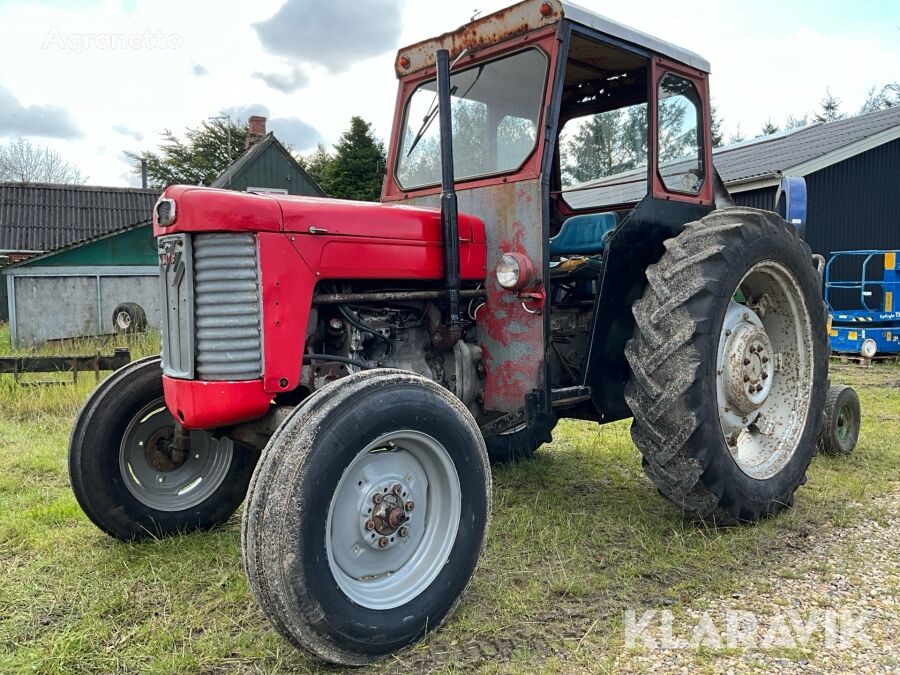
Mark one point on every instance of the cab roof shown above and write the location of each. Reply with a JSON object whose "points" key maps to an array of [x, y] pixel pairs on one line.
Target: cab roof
{"points": [[527, 16]]}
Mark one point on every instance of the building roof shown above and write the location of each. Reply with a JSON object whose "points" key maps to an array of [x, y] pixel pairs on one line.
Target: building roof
{"points": [[39, 217], [762, 162], [802, 151], [252, 154]]}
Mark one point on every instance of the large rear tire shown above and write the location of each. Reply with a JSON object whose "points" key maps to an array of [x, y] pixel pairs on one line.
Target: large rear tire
{"points": [[367, 515], [128, 477], [729, 366]]}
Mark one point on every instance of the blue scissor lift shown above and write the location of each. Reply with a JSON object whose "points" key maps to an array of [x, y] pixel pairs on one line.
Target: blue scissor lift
{"points": [[866, 331]]}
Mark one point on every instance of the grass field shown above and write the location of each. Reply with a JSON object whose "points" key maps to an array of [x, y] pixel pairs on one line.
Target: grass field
{"points": [[578, 535]]}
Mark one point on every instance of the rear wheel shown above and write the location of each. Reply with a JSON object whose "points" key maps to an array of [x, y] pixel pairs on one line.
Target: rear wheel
{"points": [[363, 530], [840, 421], [131, 475], [729, 366]]}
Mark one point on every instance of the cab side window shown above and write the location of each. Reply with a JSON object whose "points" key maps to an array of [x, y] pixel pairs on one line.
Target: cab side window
{"points": [[680, 135]]}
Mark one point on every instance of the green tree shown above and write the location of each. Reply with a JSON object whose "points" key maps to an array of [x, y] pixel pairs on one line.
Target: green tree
{"points": [[769, 128], [880, 99], [796, 122], [830, 109], [206, 151], [317, 163], [737, 136], [715, 126], [355, 171]]}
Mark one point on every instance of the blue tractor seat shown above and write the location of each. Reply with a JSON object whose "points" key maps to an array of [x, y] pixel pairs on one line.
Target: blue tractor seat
{"points": [[583, 235]]}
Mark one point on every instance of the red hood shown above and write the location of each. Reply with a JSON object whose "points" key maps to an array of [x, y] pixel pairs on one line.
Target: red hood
{"points": [[371, 219], [210, 209]]}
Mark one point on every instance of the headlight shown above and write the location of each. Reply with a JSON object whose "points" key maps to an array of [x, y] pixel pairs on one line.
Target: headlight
{"points": [[165, 211], [514, 271]]}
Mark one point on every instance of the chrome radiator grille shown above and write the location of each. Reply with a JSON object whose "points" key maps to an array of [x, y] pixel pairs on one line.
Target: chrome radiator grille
{"points": [[227, 327], [212, 322]]}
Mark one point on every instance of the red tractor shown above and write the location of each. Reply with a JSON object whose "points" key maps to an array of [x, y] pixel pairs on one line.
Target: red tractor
{"points": [[552, 241]]}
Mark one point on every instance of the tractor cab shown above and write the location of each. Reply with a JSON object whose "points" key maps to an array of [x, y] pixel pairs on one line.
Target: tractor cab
{"points": [[581, 143]]}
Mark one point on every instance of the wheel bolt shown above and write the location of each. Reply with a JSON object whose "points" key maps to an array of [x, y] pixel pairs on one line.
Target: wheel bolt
{"points": [[764, 375], [397, 489], [382, 542], [377, 498], [752, 349], [410, 505], [759, 387], [370, 524], [403, 532], [746, 362], [765, 359]]}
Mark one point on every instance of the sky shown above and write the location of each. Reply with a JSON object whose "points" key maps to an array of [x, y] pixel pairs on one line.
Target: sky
{"points": [[94, 79]]}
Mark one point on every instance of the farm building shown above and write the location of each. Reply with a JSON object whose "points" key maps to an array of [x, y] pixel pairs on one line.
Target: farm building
{"points": [[852, 171], [38, 218], [77, 289]]}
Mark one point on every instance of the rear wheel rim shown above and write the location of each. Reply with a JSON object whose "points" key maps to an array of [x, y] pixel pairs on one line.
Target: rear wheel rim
{"points": [[154, 477], [393, 519], [764, 370]]}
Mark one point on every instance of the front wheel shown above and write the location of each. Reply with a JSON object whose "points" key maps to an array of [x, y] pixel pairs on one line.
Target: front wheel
{"points": [[729, 366], [367, 515], [132, 477]]}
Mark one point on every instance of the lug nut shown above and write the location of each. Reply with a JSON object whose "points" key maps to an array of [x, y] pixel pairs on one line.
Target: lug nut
{"points": [[759, 387], [370, 524], [377, 498], [397, 489], [746, 378], [765, 359], [382, 542], [764, 375], [752, 349], [746, 362], [410, 505], [403, 532]]}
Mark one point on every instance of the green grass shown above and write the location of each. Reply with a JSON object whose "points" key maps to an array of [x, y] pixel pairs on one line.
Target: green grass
{"points": [[577, 536]]}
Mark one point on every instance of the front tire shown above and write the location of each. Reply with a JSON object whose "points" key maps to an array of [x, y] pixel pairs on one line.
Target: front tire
{"points": [[367, 516], [729, 366], [127, 477]]}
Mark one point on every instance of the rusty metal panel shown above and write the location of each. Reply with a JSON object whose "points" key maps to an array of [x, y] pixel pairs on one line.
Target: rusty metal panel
{"points": [[511, 333], [489, 30]]}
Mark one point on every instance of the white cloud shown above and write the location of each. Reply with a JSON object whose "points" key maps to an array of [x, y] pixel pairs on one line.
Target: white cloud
{"points": [[762, 64]]}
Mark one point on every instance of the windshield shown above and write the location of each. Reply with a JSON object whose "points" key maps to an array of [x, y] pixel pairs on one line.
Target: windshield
{"points": [[495, 108]]}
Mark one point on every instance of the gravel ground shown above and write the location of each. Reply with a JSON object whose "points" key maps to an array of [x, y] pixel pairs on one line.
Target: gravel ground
{"points": [[843, 585]]}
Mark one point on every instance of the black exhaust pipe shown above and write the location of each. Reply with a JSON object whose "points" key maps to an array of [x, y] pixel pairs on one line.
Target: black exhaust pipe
{"points": [[449, 210]]}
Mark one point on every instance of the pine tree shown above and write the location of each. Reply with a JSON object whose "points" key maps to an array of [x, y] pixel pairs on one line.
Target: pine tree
{"points": [[737, 136], [830, 108], [796, 122], [317, 163], [715, 126], [769, 128], [355, 171], [880, 99]]}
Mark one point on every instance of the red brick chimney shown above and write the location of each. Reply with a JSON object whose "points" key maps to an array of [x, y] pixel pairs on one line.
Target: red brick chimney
{"points": [[256, 130]]}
